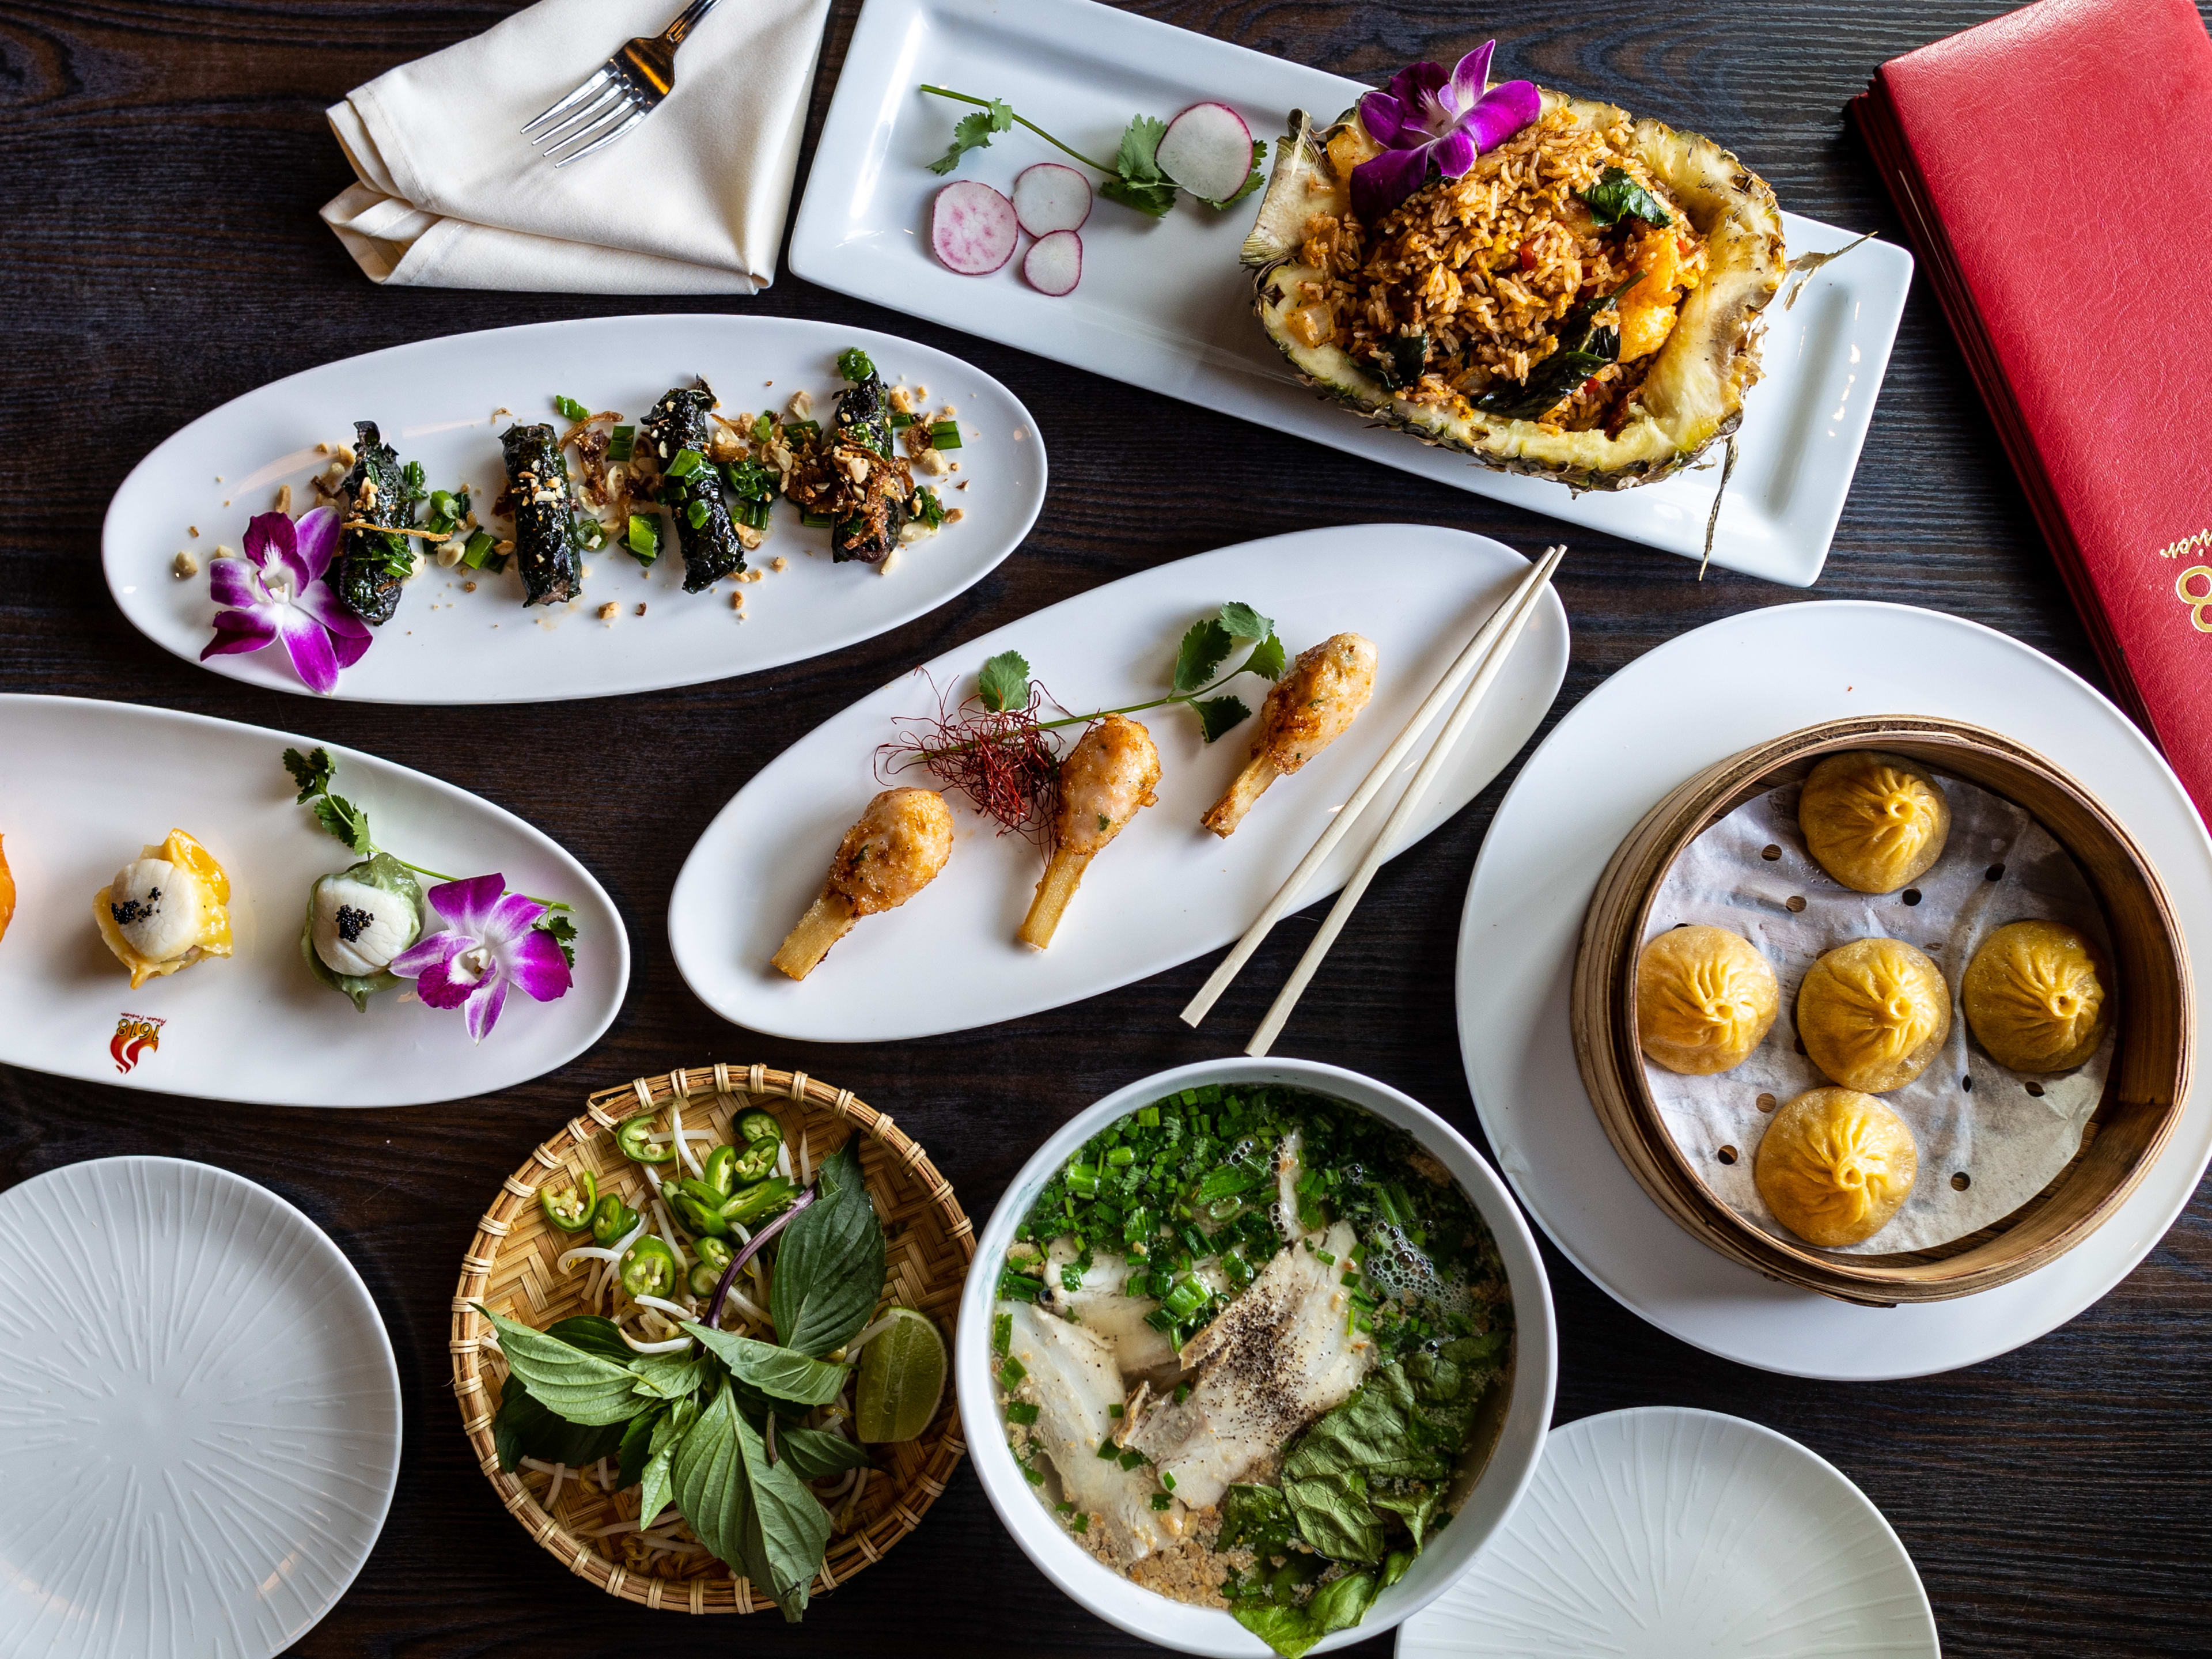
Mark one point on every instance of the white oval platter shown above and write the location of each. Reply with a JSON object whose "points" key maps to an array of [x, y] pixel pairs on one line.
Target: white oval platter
{"points": [[1667, 1533], [200, 1454], [444, 403], [83, 784], [1165, 891]]}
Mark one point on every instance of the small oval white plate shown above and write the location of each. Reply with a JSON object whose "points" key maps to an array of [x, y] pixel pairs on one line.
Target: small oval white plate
{"points": [[1166, 890], [1665, 1532], [199, 1447], [83, 784], [445, 402]]}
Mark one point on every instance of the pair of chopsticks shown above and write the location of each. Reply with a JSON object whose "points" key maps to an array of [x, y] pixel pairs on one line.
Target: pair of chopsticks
{"points": [[1483, 657]]}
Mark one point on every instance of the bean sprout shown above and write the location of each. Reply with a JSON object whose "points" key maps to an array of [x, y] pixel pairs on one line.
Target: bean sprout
{"points": [[636, 1347], [660, 1306], [783, 1160], [594, 1252], [668, 1237], [683, 1145], [868, 1335], [805, 1162]]}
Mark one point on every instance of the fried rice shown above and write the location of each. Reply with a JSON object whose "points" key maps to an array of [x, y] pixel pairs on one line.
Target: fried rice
{"points": [[1492, 267]]}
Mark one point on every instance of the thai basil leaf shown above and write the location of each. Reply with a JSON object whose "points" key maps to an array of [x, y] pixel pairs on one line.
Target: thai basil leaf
{"points": [[636, 1447], [785, 1529], [1268, 658], [706, 1478], [524, 1428], [1401, 359], [829, 1265], [668, 1375], [656, 1484], [1217, 715], [1585, 348], [1617, 196], [780, 1373], [581, 1387], [1005, 682], [816, 1453], [1204, 649], [593, 1334]]}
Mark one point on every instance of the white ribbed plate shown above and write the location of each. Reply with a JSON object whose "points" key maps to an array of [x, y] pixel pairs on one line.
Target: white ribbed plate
{"points": [[199, 1441], [1664, 1533]]}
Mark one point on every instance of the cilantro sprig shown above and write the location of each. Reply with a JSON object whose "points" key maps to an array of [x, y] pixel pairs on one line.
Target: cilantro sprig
{"points": [[1133, 178], [1207, 645]]}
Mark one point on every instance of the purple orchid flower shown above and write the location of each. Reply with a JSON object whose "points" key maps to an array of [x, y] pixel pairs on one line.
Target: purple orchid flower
{"points": [[1423, 117], [493, 941], [276, 591]]}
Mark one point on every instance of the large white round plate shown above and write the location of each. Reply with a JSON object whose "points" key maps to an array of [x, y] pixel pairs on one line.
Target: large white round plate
{"points": [[444, 403], [200, 1442], [1696, 700], [83, 784], [1166, 890], [1664, 1533]]}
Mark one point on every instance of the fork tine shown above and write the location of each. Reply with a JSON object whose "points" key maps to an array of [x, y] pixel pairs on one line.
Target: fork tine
{"points": [[636, 115], [612, 102], [591, 83]]}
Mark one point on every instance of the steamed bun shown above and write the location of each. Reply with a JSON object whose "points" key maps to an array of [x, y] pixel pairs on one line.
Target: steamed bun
{"points": [[2035, 997], [1872, 820], [1704, 999], [1873, 1013], [1835, 1165]]}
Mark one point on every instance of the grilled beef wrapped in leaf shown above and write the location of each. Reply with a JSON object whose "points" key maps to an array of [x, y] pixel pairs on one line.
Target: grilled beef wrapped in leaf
{"points": [[692, 489], [878, 486], [545, 544], [374, 563]]}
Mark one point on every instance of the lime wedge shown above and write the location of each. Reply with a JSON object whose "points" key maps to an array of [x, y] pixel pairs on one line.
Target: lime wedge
{"points": [[902, 1379]]}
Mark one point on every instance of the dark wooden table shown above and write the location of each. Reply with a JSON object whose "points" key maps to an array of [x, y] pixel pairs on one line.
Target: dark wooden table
{"points": [[160, 162]]}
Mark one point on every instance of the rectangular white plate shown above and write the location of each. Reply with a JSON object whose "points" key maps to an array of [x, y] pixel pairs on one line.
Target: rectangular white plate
{"points": [[1165, 304]]}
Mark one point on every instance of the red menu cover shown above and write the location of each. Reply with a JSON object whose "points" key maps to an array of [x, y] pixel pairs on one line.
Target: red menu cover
{"points": [[2054, 168]]}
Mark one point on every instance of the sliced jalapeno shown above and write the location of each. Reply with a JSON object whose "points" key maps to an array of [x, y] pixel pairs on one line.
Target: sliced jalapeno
{"points": [[700, 1220], [611, 1219], [755, 1162], [758, 1199], [649, 1267], [713, 1253], [704, 1279], [760, 1125], [569, 1209], [631, 1138], [719, 1171]]}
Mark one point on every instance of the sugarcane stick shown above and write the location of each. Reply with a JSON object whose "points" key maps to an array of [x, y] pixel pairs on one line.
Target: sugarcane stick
{"points": [[827, 920], [1054, 888], [1225, 814]]}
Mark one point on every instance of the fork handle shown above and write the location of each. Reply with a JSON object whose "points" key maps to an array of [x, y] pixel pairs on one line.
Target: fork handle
{"points": [[674, 34]]}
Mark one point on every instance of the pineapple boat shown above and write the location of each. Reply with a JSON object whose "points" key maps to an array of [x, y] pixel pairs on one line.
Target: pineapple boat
{"points": [[1546, 282]]}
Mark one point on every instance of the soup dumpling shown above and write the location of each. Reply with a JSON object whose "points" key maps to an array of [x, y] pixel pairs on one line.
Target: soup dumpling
{"points": [[1704, 999], [1873, 1013], [1835, 1165], [1872, 820], [2035, 997]]}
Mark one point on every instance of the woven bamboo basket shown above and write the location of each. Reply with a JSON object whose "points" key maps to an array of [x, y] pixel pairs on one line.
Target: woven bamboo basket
{"points": [[509, 1268], [2143, 1096]]}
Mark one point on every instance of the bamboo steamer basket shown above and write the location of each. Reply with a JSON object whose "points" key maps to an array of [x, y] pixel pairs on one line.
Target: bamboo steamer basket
{"points": [[509, 1268], [2142, 1097]]}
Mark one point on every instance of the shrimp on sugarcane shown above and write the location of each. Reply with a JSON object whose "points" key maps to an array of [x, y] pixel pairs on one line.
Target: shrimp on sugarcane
{"points": [[1309, 708], [1104, 783], [895, 851]]}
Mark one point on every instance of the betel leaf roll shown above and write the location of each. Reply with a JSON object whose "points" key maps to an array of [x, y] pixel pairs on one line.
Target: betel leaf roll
{"points": [[691, 487], [869, 520], [545, 544], [374, 561]]}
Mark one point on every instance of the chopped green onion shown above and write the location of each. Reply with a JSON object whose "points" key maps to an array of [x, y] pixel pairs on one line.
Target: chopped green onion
{"points": [[1018, 1287], [1149, 1117], [945, 434], [1010, 1375], [900, 422], [695, 514], [751, 513], [1325, 1258], [1181, 1393], [1080, 1523], [1002, 1334], [1161, 1501], [443, 504], [477, 554], [644, 536], [816, 520], [1115, 1409], [1167, 1479], [571, 409], [1021, 1412], [1133, 1459], [412, 478], [1034, 1475], [1122, 1155], [1108, 1451], [621, 443], [1063, 1507], [812, 428], [687, 462], [763, 428], [854, 364]]}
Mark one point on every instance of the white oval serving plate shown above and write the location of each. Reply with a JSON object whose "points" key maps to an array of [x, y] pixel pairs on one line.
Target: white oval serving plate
{"points": [[445, 402], [1496, 1489], [83, 784], [1667, 1533], [1165, 891], [199, 1452]]}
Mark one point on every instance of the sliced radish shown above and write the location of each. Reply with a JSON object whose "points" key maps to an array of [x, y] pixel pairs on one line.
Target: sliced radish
{"points": [[1053, 263], [973, 229], [1049, 196], [1207, 149]]}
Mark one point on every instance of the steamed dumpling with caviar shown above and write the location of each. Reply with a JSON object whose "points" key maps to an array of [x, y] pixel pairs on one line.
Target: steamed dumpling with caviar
{"points": [[1835, 1165], [1874, 822], [1873, 1013], [1704, 999], [2035, 997], [165, 909], [358, 920]]}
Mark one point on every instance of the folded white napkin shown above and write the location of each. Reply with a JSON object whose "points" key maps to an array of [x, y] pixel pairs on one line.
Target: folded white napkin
{"points": [[690, 201]]}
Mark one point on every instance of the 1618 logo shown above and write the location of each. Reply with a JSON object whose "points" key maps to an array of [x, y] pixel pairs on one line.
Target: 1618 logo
{"points": [[135, 1036]]}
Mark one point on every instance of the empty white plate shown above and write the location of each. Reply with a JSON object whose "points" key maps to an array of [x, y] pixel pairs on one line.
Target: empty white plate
{"points": [[199, 1415], [1664, 1533]]}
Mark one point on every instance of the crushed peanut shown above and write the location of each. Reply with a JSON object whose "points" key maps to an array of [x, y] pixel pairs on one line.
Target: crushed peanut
{"points": [[468, 587], [609, 611], [900, 400], [801, 405], [284, 499], [640, 608], [780, 563], [183, 565]]}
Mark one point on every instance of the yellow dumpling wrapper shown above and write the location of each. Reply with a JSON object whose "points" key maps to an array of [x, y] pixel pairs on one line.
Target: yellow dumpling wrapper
{"points": [[2035, 997], [211, 931], [1872, 820], [1705, 999], [1835, 1165], [1872, 1014]]}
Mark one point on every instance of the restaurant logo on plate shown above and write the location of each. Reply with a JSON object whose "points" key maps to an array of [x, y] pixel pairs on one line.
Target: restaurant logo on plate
{"points": [[135, 1035]]}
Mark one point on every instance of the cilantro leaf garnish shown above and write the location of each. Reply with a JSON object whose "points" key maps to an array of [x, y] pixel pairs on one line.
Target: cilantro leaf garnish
{"points": [[561, 931], [1218, 714], [312, 771], [1244, 623], [1268, 660], [1204, 649], [1005, 682], [1138, 181], [974, 132]]}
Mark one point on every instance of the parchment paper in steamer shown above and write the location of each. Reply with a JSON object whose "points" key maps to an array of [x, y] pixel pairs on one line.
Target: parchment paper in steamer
{"points": [[1968, 1115]]}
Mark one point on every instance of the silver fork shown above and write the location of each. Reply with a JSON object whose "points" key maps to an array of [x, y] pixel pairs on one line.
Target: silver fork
{"points": [[628, 88]]}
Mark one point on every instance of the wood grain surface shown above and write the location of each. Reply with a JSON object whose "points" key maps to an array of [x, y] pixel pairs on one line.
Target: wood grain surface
{"points": [[161, 164]]}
